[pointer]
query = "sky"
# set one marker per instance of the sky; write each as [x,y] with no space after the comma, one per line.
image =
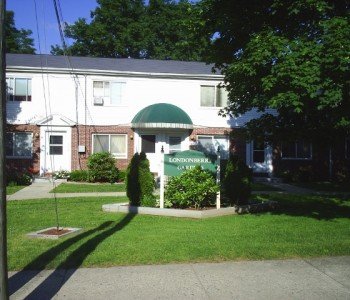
[25,18]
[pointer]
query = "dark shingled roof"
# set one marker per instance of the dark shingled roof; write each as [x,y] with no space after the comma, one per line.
[109,64]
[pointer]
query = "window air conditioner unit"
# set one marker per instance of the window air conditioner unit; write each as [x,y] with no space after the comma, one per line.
[98,100]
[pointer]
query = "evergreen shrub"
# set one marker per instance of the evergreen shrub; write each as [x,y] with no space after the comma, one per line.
[236,182]
[79,175]
[139,181]
[193,188]
[102,168]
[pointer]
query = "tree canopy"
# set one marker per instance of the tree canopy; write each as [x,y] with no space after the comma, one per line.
[163,29]
[17,40]
[291,56]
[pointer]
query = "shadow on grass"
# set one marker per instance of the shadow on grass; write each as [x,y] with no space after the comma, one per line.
[317,207]
[53,283]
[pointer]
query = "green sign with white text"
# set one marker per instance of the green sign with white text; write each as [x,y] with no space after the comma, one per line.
[178,162]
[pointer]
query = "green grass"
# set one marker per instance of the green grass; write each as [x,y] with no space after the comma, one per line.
[13,189]
[88,188]
[257,186]
[325,186]
[303,226]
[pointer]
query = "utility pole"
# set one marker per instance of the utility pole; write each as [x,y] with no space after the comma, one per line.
[3,221]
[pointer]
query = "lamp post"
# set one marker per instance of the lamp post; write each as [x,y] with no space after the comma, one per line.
[161,199]
[218,200]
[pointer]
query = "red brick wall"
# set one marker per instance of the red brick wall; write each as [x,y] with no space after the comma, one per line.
[26,163]
[82,135]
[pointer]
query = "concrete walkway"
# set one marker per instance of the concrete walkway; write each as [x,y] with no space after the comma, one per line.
[322,278]
[41,189]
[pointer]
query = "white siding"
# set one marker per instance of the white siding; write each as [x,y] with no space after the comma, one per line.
[61,93]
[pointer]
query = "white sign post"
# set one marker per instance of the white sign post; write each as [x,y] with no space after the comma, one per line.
[218,200]
[161,200]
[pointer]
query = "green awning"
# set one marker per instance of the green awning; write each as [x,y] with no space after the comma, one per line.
[162,115]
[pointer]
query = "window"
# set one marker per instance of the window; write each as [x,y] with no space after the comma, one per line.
[19,144]
[347,148]
[209,144]
[296,150]
[19,89]
[258,152]
[174,144]
[116,144]
[213,96]
[148,143]
[56,145]
[108,93]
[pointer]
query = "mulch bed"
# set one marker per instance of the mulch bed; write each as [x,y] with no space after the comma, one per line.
[55,231]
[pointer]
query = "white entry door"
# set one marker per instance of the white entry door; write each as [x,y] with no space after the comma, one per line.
[57,151]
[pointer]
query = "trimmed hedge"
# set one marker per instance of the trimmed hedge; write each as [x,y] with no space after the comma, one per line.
[102,168]
[139,181]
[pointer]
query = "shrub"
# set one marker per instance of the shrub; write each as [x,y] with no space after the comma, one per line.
[79,175]
[139,180]
[149,201]
[18,177]
[237,181]
[61,174]
[193,188]
[122,175]
[102,168]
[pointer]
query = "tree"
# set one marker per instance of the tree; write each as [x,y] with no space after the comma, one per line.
[17,40]
[292,56]
[163,29]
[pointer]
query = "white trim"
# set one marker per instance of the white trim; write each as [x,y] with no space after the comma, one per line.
[162,125]
[56,120]
[114,73]
[116,155]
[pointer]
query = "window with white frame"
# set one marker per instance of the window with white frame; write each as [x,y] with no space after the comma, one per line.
[209,144]
[19,144]
[108,93]
[116,144]
[296,150]
[213,96]
[18,89]
[347,148]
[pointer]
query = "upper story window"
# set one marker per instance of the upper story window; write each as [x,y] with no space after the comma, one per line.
[213,96]
[116,144]
[109,93]
[19,89]
[297,150]
[19,144]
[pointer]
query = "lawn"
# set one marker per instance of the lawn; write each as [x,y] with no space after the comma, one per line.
[258,186]
[325,186]
[89,188]
[302,227]
[13,189]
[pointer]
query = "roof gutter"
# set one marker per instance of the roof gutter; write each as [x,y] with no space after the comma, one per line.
[20,69]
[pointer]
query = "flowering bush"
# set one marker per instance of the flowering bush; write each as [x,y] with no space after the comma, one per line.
[193,188]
